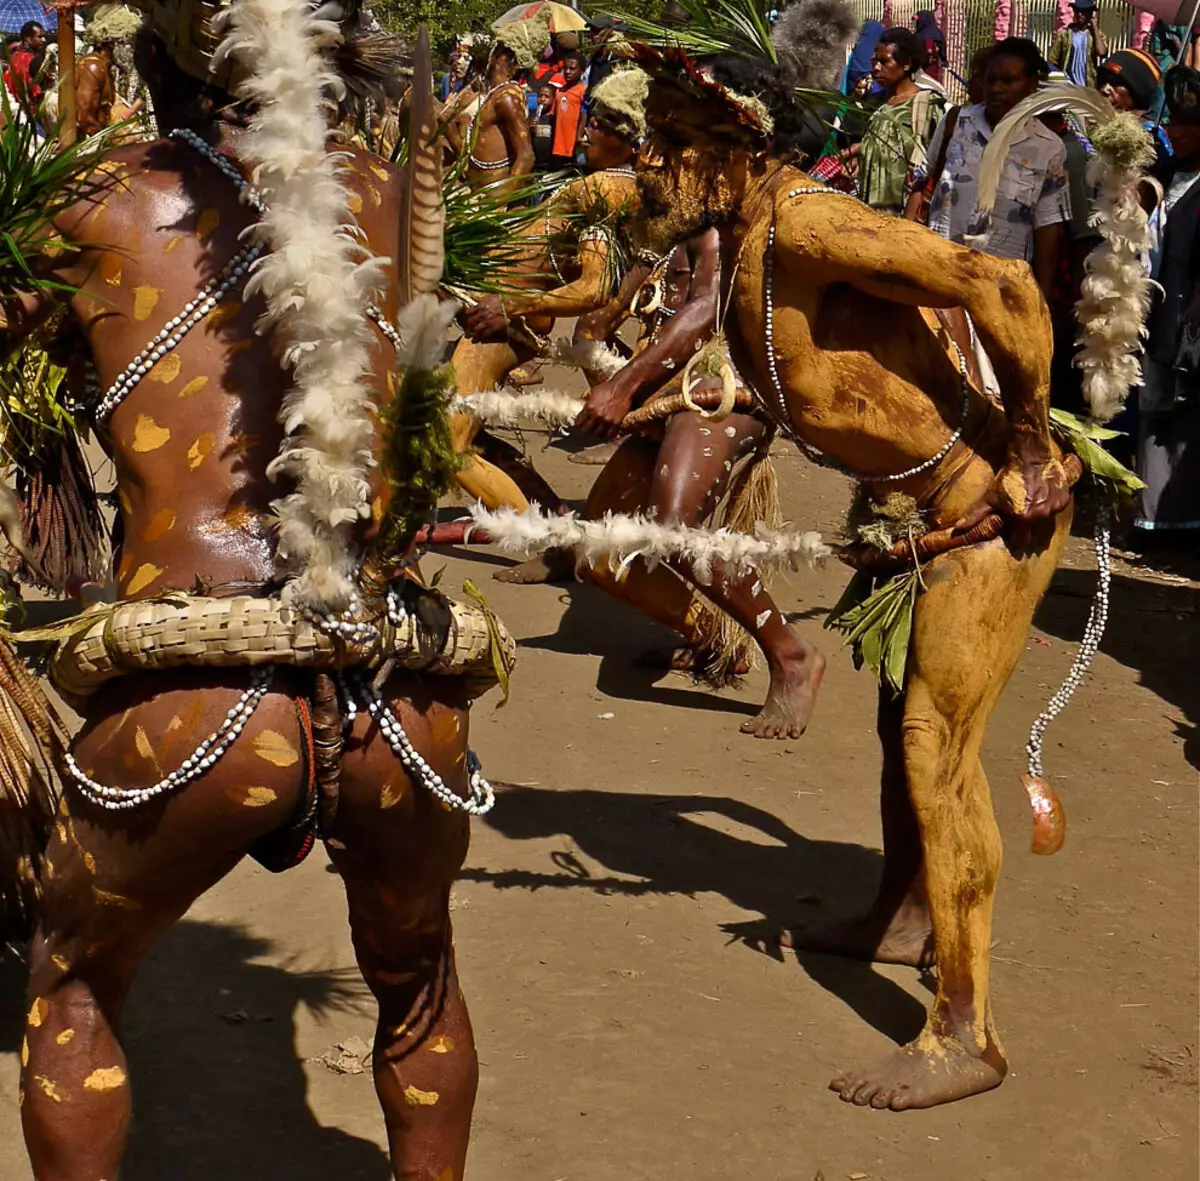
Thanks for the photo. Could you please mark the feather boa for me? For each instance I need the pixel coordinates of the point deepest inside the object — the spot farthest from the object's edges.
(620, 539)
(1115, 295)
(593, 355)
(317, 281)
(510, 409)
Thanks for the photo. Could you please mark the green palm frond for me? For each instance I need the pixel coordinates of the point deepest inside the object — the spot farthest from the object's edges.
(490, 230)
(714, 26)
(40, 180)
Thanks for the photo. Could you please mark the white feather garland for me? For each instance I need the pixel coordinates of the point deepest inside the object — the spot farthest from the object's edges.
(617, 539)
(593, 355)
(317, 281)
(511, 409)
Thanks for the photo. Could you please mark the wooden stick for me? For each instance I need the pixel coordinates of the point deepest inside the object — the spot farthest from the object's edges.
(66, 78)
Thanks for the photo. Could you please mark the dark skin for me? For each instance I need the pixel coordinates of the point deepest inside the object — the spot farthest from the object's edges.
(501, 131)
(681, 480)
(94, 90)
(1006, 83)
(190, 446)
(864, 376)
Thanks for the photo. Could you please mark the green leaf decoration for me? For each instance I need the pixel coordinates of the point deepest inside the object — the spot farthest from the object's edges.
(876, 617)
(1084, 438)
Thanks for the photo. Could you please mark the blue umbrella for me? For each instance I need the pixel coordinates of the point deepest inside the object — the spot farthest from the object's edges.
(14, 13)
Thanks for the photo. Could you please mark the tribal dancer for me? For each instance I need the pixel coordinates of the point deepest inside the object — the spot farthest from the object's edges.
(229, 360)
(827, 322)
(574, 267)
(497, 140)
(677, 468)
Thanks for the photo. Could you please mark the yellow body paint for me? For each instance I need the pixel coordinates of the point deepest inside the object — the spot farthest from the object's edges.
(107, 1078)
(148, 435)
(391, 794)
(380, 172)
(65, 1036)
(272, 747)
(38, 1012)
(24, 1051)
(441, 1044)
(61, 963)
(142, 578)
(193, 387)
(160, 525)
(251, 797)
(415, 1097)
(110, 899)
(165, 371)
(171, 245)
(198, 452)
(223, 314)
(208, 221)
(50, 1088)
(145, 300)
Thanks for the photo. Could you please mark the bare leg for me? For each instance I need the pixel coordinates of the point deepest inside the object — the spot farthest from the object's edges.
(398, 851)
(690, 475)
(968, 633)
(116, 882)
(896, 928)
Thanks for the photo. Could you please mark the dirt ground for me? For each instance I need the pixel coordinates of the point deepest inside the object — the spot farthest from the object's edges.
(614, 919)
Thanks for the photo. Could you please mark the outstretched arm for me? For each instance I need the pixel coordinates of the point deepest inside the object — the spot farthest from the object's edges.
(830, 240)
(609, 402)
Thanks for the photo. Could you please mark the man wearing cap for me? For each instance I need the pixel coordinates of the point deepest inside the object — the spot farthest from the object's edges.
(1078, 49)
(1130, 80)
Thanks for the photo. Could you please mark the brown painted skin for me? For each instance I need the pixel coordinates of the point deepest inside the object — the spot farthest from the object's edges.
(190, 453)
(866, 380)
(680, 480)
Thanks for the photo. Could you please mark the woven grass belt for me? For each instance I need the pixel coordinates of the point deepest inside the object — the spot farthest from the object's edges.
(195, 632)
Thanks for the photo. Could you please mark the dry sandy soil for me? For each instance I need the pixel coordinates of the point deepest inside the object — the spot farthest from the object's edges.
(614, 927)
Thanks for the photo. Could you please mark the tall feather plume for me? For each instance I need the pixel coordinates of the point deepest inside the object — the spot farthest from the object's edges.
(317, 282)
(810, 40)
(422, 213)
(1091, 104)
(1115, 294)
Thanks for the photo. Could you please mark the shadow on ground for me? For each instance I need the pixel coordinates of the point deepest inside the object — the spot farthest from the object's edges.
(218, 1089)
(1152, 628)
(697, 844)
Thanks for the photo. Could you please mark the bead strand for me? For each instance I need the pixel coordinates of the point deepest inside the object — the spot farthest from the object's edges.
(205, 756)
(1093, 633)
(481, 798)
(355, 631)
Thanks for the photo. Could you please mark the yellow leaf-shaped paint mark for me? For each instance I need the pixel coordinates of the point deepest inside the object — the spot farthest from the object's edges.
(380, 172)
(89, 862)
(390, 795)
(223, 314)
(441, 1044)
(208, 221)
(240, 516)
(251, 797)
(148, 435)
(60, 831)
(24, 1051)
(61, 963)
(145, 300)
(271, 746)
(377, 509)
(51, 1089)
(415, 1097)
(38, 1012)
(141, 740)
(165, 371)
(172, 244)
(110, 899)
(354, 202)
(65, 1036)
(174, 724)
(375, 195)
(199, 451)
(107, 1078)
(123, 498)
(142, 578)
(160, 525)
(193, 387)
(110, 269)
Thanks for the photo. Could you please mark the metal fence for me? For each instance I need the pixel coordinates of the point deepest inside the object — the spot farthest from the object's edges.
(971, 25)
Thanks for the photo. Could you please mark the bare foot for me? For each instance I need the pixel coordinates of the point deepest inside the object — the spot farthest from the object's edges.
(903, 936)
(928, 1071)
(555, 565)
(596, 456)
(790, 698)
